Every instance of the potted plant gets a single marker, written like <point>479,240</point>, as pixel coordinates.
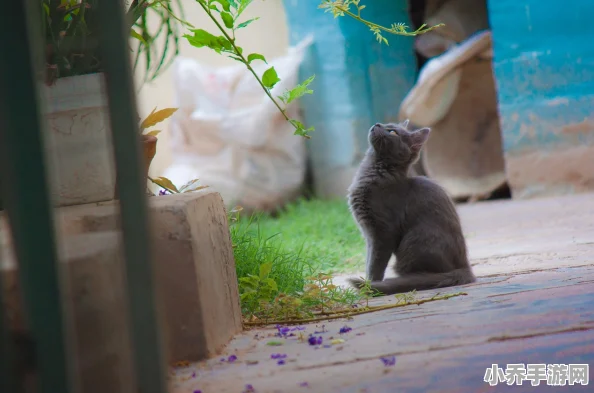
<point>76,110</point>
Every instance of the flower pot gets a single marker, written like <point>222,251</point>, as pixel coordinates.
<point>149,149</point>
<point>79,141</point>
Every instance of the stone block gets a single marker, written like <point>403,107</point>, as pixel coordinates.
<point>97,328</point>
<point>195,269</point>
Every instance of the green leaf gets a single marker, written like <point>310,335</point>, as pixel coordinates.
<point>256,56</point>
<point>271,284</point>
<point>203,38</point>
<point>265,269</point>
<point>247,22</point>
<point>300,129</point>
<point>246,296</point>
<point>224,3</point>
<point>135,34</point>
<point>274,343</point>
<point>298,91</point>
<point>227,19</point>
<point>270,78</point>
<point>242,6</point>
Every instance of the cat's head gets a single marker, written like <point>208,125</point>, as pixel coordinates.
<point>394,143</point>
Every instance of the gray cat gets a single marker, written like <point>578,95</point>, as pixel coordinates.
<point>411,217</point>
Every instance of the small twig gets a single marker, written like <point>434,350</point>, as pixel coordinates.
<point>386,29</point>
<point>349,313</point>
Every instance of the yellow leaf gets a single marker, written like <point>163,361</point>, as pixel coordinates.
<point>188,184</point>
<point>196,189</point>
<point>165,183</point>
<point>337,341</point>
<point>157,117</point>
<point>192,185</point>
<point>153,133</point>
<point>236,209</point>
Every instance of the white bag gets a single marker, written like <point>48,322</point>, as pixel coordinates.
<point>228,134</point>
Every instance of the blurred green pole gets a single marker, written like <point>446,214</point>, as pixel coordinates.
<point>144,315</point>
<point>26,195</point>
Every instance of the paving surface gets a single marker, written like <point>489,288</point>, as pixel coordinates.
<point>533,304</point>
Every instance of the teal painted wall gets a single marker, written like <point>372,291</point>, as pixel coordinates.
<point>544,69</point>
<point>358,83</point>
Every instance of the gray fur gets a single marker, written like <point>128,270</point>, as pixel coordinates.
<point>411,217</point>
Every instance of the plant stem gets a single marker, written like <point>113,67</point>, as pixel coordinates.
<point>245,62</point>
<point>387,30</point>
<point>349,314</point>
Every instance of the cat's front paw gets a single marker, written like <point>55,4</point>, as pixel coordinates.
<point>358,283</point>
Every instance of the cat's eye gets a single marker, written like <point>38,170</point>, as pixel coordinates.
<point>392,132</point>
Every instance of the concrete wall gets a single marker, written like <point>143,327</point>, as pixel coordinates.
<point>267,36</point>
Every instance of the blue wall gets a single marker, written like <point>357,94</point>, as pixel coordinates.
<point>358,82</point>
<point>544,68</point>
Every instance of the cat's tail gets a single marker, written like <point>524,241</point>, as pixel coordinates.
<point>419,281</point>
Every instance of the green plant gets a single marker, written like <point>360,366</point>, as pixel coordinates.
<point>156,48</point>
<point>226,13</point>
<point>257,289</point>
<point>169,188</point>
<point>72,44</point>
<point>343,7</point>
<point>226,16</point>
<point>367,291</point>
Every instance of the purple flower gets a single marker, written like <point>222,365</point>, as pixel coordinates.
<point>197,391</point>
<point>345,329</point>
<point>278,356</point>
<point>280,362</point>
<point>283,331</point>
<point>232,358</point>
<point>313,340</point>
<point>163,192</point>
<point>389,360</point>
<point>249,389</point>
<point>304,384</point>
<point>194,374</point>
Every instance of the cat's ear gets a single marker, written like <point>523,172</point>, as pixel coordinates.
<point>419,137</point>
<point>404,124</point>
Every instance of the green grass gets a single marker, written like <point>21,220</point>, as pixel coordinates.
<point>306,239</point>
<point>323,231</point>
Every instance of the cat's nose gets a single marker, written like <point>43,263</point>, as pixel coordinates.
<point>376,128</point>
